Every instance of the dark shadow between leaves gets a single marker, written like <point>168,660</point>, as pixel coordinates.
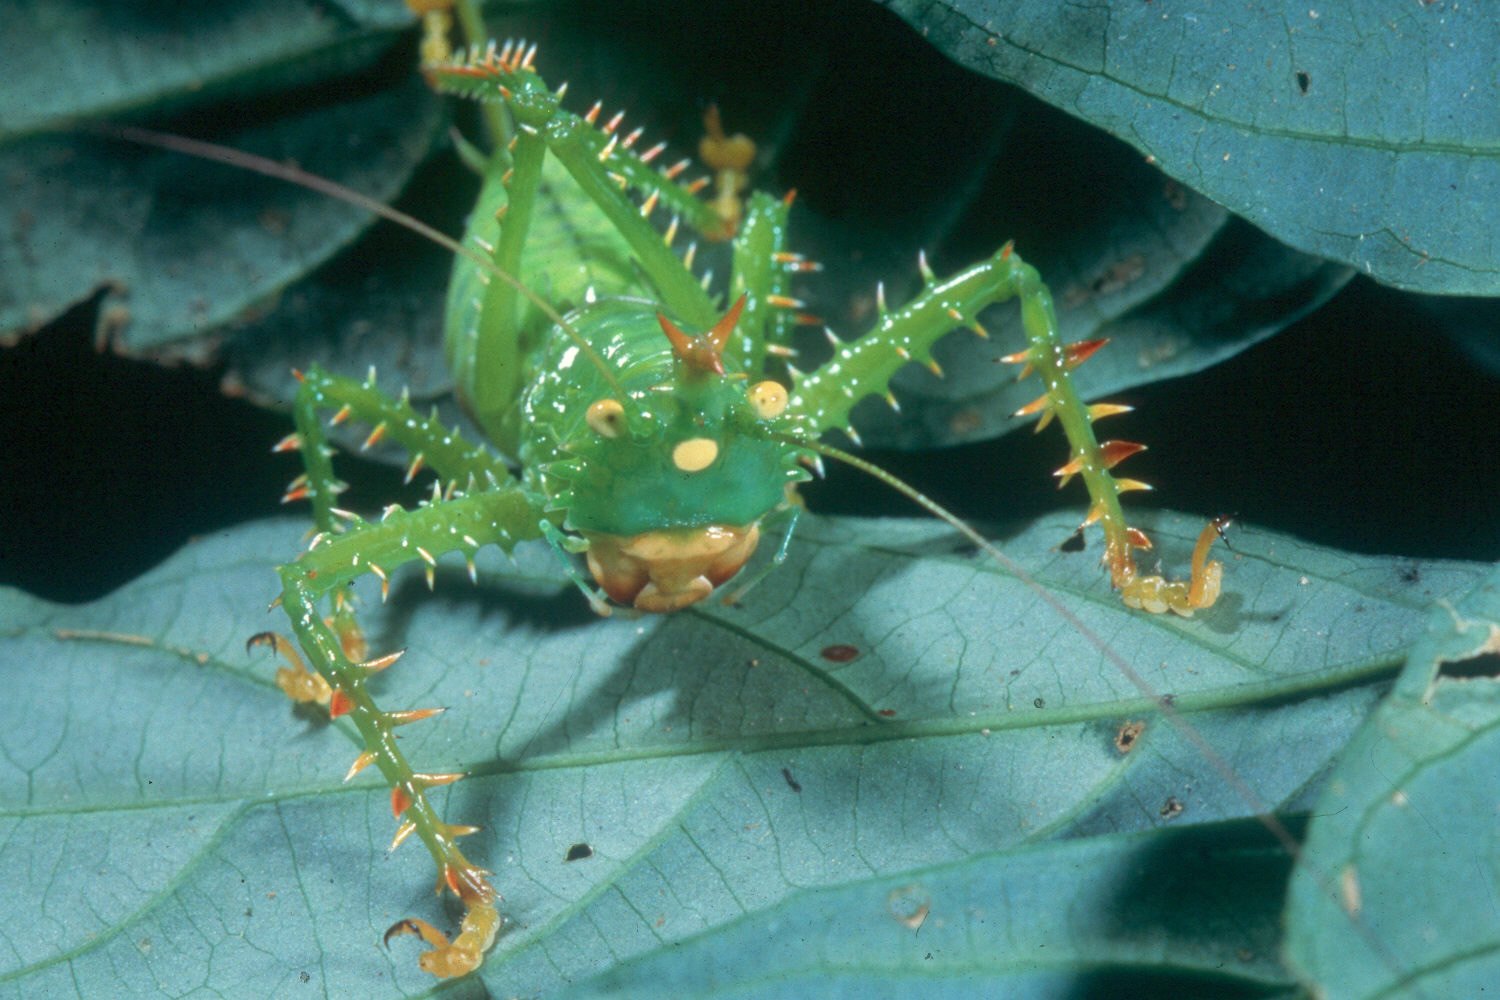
<point>1201,890</point>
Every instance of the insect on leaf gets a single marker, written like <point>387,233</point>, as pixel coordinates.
<point>890,739</point>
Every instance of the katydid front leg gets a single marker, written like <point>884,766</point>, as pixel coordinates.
<point>462,523</point>
<point>482,504</point>
<point>457,462</point>
<point>823,399</point>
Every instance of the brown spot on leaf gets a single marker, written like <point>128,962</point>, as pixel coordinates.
<point>274,222</point>
<point>1127,734</point>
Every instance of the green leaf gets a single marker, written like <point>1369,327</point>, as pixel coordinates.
<point>187,245</point>
<point>1199,906</point>
<point>169,818</point>
<point>1396,896</point>
<point>67,63</point>
<point>1359,131</point>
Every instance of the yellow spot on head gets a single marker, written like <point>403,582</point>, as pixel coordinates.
<point>769,399</point>
<point>695,454</point>
<point>607,418</point>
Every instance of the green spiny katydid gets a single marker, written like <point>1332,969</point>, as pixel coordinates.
<point>656,450</point>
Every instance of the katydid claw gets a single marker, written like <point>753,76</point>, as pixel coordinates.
<point>462,955</point>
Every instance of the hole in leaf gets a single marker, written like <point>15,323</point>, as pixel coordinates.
<point>1304,81</point>
<point>1127,734</point>
<point>579,852</point>
<point>1485,666</point>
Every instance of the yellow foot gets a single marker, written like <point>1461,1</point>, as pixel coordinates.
<point>463,954</point>
<point>295,680</point>
<point>437,19</point>
<point>1157,595</point>
<point>730,158</point>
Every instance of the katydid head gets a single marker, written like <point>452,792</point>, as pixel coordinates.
<point>670,477</point>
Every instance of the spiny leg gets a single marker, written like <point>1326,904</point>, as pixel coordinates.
<point>824,399</point>
<point>346,546</point>
<point>1053,362</point>
<point>1157,594</point>
<point>601,160</point>
<point>457,462</point>
<point>463,523</point>
<point>763,268</point>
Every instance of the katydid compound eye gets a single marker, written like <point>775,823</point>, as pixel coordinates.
<point>769,399</point>
<point>607,418</point>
